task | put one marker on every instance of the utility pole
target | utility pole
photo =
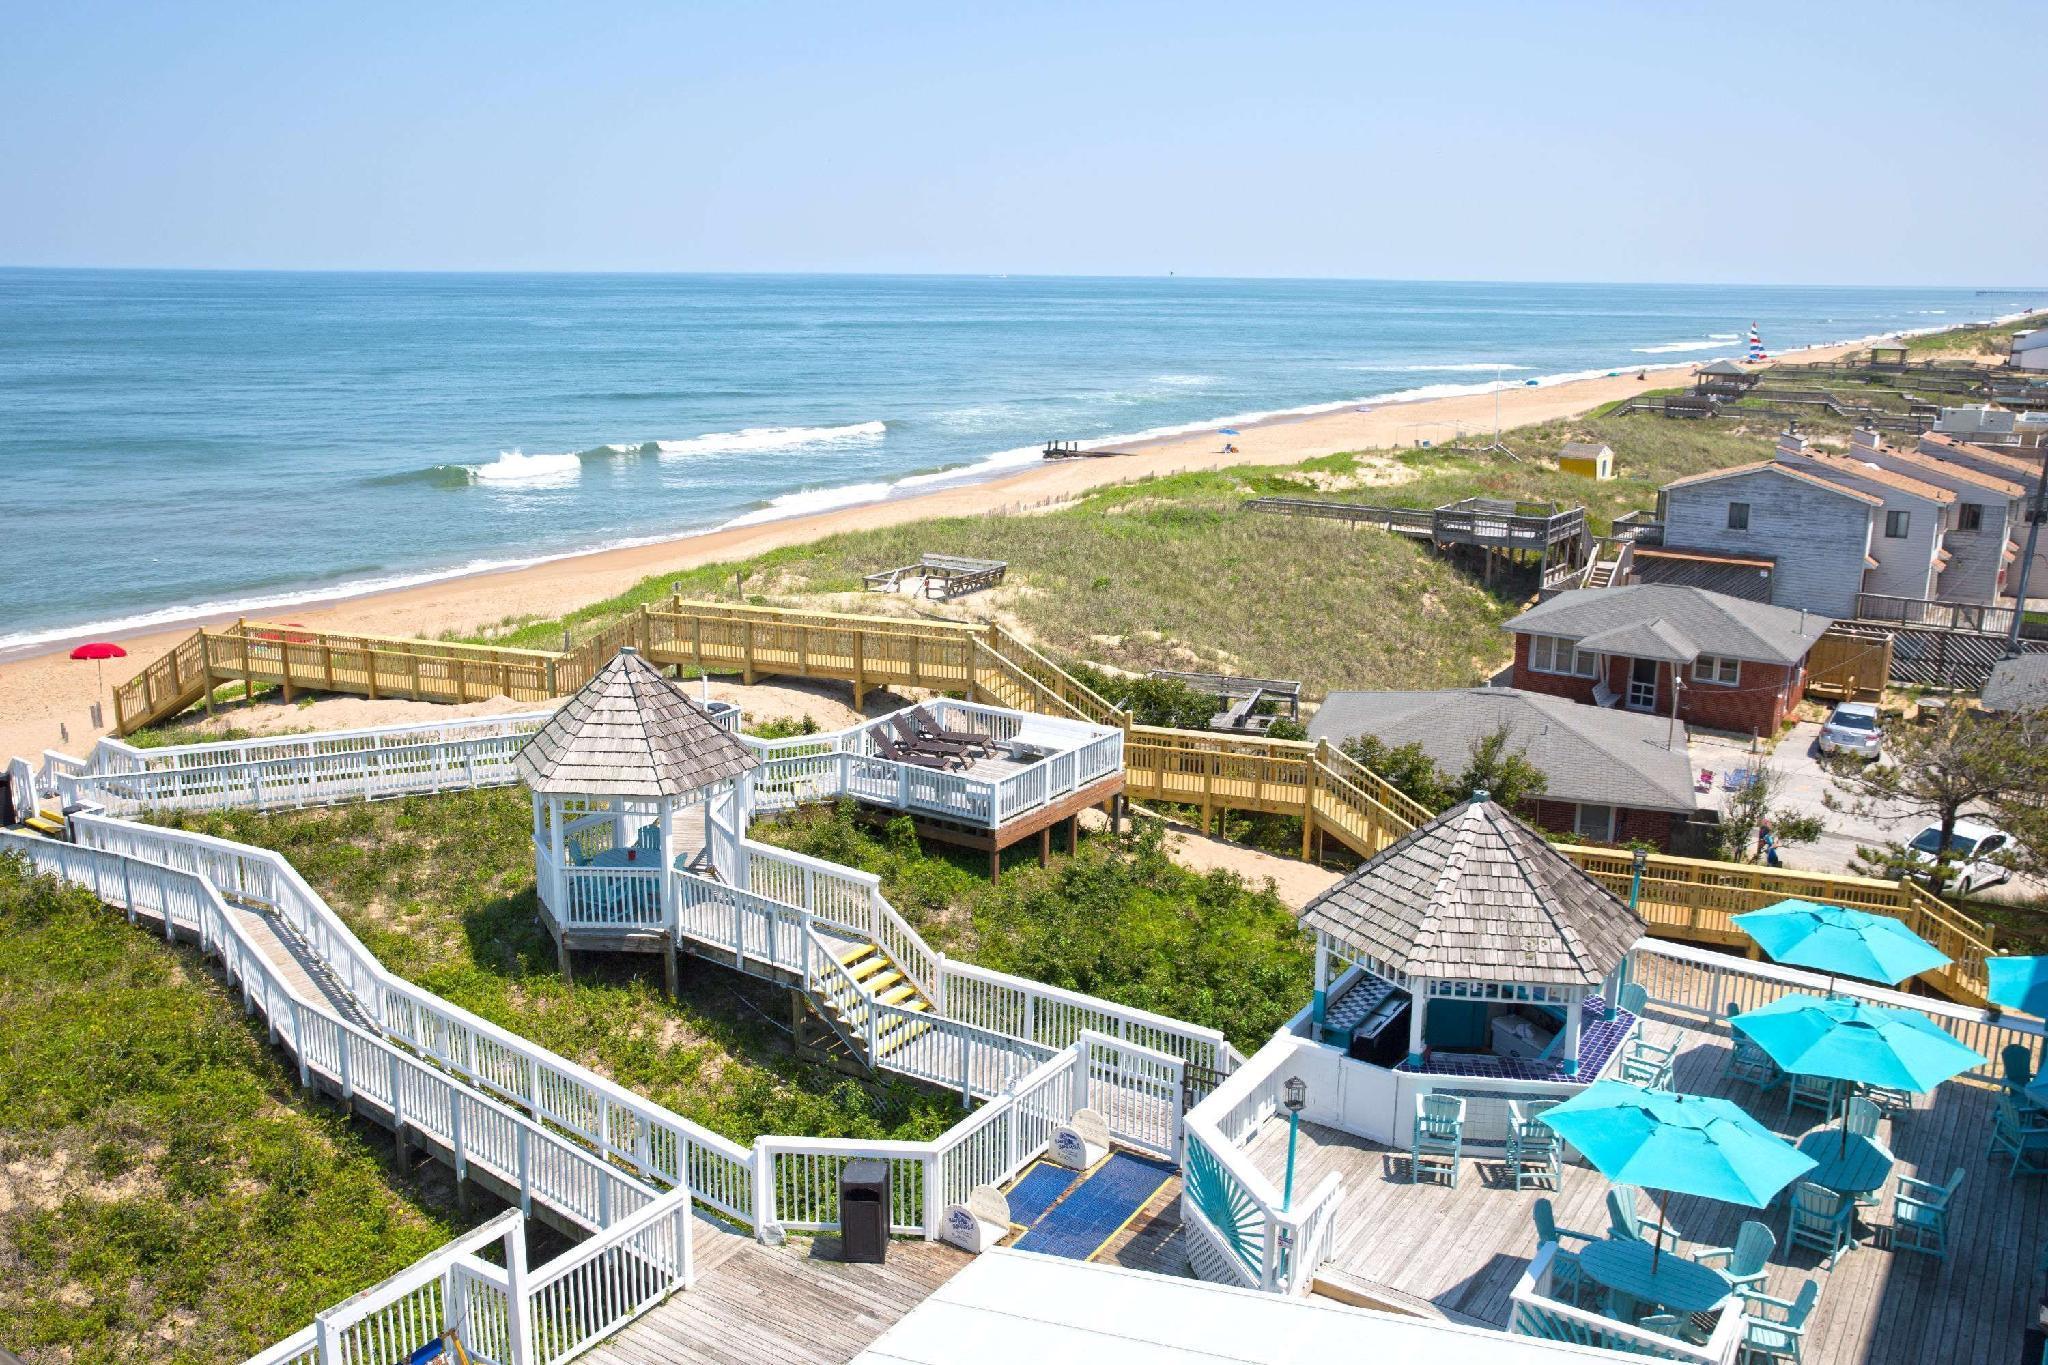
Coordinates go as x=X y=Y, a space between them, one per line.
x=2037 y=512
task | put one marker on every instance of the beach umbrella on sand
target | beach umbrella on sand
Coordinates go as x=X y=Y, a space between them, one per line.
x=99 y=651
x=1840 y=942
x=1677 y=1144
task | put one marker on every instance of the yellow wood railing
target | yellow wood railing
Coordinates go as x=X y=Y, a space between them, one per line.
x=1334 y=796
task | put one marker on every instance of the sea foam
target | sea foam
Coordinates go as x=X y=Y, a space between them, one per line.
x=749 y=439
x=513 y=469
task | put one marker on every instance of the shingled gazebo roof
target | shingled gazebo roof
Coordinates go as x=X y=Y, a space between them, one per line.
x=1476 y=895
x=630 y=732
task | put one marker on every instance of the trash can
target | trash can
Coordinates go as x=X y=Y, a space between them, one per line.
x=864 y=1212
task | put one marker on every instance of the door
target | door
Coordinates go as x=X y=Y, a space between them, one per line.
x=1642 y=685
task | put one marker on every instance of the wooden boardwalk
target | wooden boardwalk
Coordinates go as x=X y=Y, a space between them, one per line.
x=1463 y=1249
x=793 y=1304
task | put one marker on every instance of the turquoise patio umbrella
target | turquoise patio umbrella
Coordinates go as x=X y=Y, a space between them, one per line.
x=2019 y=983
x=1677 y=1144
x=1841 y=942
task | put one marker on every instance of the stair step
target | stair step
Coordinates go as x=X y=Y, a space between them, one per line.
x=44 y=822
x=898 y=994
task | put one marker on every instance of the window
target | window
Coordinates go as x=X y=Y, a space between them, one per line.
x=1970 y=516
x=1554 y=654
x=1895 y=524
x=1738 y=516
x=1594 y=822
x=1711 y=668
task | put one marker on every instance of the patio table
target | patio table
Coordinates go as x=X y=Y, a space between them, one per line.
x=1857 y=1167
x=1677 y=1284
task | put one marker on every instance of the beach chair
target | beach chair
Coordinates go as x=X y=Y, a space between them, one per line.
x=1920 y=1214
x=1648 y=1065
x=930 y=730
x=908 y=737
x=1813 y=1092
x=1775 y=1329
x=1567 y=1282
x=896 y=753
x=1821 y=1219
x=1535 y=1153
x=1439 y=1138
x=1635 y=999
x=2020 y=1131
x=1624 y=1224
x=1747 y=1263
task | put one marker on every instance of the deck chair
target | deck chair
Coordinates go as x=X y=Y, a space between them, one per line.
x=1822 y=1219
x=933 y=732
x=896 y=753
x=1747 y=1263
x=2018 y=1061
x=2020 y=1131
x=1920 y=1214
x=980 y=1222
x=1624 y=1224
x=1750 y=1064
x=1439 y=1138
x=908 y=737
x=1081 y=1141
x=1635 y=999
x=1775 y=1329
x=1535 y=1153
x=1814 y=1092
x=1568 y=1283
x=1648 y=1065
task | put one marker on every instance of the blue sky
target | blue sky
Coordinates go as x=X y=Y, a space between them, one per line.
x=1789 y=143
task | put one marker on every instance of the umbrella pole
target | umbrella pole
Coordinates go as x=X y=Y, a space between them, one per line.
x=1663 y=1222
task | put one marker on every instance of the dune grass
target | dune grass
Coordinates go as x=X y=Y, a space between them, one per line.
x=440 y=888
x=166 y=1191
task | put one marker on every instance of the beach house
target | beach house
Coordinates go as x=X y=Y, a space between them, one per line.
x=1907 y=558
x=1609 y=776
x=1700 y=657
x=2029 y=350
x=2000 y=467
x=1983 y=542
x=1814 y=533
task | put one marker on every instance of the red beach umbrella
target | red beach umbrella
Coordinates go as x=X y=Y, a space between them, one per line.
x=97 y=651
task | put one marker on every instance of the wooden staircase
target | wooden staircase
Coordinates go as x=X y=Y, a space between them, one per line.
x=850 y=999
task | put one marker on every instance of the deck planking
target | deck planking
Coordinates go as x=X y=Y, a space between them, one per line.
x=1463 y=1249
x=793 y=1303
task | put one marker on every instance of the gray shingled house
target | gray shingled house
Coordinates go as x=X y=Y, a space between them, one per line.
x=1610 y=776
x=1479 y=947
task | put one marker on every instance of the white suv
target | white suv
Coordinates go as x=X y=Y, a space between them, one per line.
x=1851 y=728
x=1972 y=849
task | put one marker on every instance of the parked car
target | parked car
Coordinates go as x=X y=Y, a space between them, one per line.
x=1973 y=849
x=1851 y=728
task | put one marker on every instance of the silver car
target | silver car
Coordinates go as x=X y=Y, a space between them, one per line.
x=1851 y=728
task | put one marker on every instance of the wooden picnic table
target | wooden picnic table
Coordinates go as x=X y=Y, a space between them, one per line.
x=1858 y=1166
x=1674 y=1283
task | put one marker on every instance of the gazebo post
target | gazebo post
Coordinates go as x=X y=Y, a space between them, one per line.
x=1418 y=1005
x=665 y=821
x=1322 y=996
x=558 y=838
x=1574 y=1012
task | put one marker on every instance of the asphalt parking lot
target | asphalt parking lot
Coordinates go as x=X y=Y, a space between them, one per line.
x=1802 y=782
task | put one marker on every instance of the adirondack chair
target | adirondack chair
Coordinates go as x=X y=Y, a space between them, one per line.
x=2021 y=1131
x=1920 y=1214
x=1862 y=1117
x=930 y=731
x=908 y=737
x=1750 y=1064
x=1821 y=1219
x=1439 y=1138
x=1648 y=1065
x=2018 y=1060
x=1813 y=1092
x=1625 y=1225
x=1535 y=1153
x=1747 y=1263
x=1775 y=1329
x=1635 y=999
x=1567 y=1282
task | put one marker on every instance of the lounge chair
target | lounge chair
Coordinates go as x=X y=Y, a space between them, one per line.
x=931 y=731
x=909 y=738
x=896 y=753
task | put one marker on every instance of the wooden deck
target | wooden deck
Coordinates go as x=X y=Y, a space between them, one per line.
x=793 y=1304
x=1463 y=1249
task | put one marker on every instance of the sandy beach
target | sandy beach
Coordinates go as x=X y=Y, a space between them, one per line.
x=43 y=695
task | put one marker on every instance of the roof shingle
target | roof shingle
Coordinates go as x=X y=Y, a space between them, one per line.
x=630 y=732
x=1714 y=622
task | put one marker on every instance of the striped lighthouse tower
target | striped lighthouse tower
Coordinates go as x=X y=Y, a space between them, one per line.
x=1757 y=354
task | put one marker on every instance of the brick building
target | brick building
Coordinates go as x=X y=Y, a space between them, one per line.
x=1704 y=658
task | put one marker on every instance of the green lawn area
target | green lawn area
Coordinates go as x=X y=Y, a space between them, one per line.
x=166 y=1192
x=440 y=888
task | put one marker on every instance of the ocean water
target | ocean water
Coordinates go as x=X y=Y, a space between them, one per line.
x=182 y=440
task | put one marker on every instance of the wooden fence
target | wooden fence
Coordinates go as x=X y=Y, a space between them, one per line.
x=1849 y=663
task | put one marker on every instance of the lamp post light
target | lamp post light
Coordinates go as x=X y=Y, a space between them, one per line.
x=1297 y=1099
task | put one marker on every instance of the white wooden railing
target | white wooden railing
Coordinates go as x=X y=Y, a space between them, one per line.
x=1533 y=1312
x=21 y=778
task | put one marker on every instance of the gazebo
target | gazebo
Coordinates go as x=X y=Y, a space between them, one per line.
x=1723 y=378
x=613 y=773
x=1486 y=933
